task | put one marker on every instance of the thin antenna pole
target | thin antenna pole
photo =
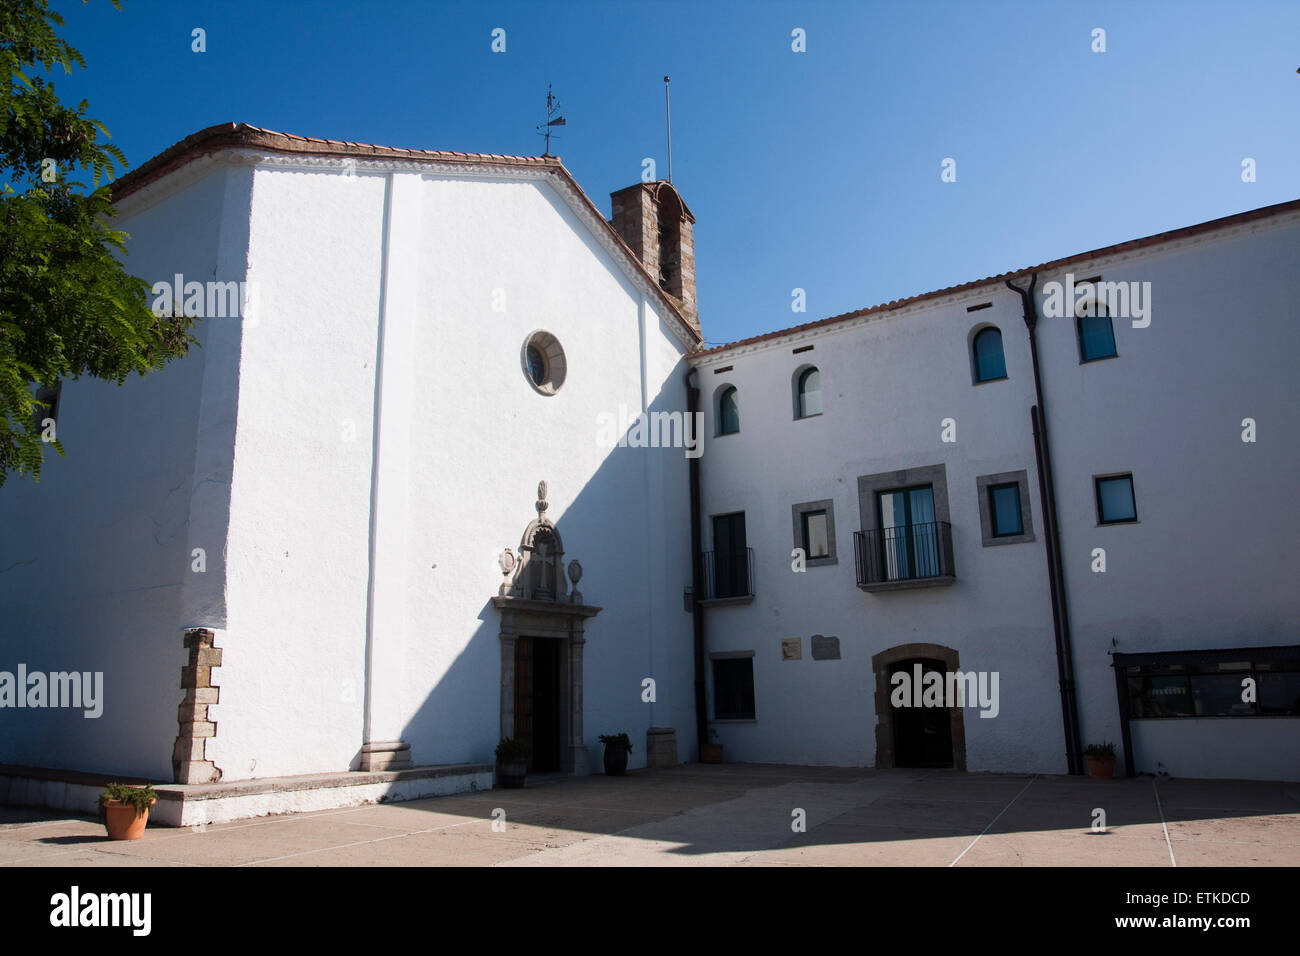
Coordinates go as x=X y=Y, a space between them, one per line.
x=548 y=120
x=668 y=117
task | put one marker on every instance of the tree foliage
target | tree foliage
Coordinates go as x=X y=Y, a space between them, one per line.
x=68 y=307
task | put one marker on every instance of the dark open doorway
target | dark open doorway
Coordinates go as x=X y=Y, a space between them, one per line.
x=922 y=735
x=537 y=701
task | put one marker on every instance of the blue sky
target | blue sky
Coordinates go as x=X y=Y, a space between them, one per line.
x=818 y=170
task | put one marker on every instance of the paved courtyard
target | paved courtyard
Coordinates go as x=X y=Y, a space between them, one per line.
x=731 y=815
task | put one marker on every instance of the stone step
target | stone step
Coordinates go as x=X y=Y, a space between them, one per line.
x=197 y=804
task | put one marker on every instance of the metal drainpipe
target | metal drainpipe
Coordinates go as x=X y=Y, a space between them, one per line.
x=697 y=574
x=1055 y=564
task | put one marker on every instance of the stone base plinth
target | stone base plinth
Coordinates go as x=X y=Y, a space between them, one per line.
x=386 y=755
x=661 y=747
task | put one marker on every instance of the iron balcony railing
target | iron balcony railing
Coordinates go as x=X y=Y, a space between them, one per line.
x=728 y=574
x=905 y=553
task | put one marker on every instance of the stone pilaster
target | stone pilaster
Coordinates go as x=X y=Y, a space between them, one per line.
x=578 y=747
x=189 y=761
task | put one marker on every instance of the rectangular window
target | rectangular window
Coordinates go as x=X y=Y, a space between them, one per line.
x=730 y=572
x=733 y=688
x=909 y=533
x=814 y=534
x=1245 y=687
x=1115 y=503
x=1004 y=508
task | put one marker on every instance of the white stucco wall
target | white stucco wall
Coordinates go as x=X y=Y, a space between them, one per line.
x=1210 y=562
x=1206 y=566
x=95 y=562
x=463 y=441
x=887 y=386
x=1223 y=748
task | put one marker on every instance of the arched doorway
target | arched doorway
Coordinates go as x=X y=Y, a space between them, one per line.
x=913 y=736
x=922 y=735
x=542 y=637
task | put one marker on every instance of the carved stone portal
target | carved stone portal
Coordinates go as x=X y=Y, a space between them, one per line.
x=536 y=603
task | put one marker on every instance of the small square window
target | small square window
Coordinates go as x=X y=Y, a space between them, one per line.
x=733 y=688
x=1004 y=508
x=1115 y=502
x=814 y=534
x=814 y=531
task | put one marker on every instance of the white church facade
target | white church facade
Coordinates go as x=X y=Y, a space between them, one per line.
x=376 y=522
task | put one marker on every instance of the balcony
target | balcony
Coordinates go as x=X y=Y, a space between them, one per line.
x=728 y=577
x=907 y=556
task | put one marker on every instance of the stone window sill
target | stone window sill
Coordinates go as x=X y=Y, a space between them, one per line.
x=942 y=581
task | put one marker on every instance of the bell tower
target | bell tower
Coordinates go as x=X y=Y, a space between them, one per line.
x=659 y=228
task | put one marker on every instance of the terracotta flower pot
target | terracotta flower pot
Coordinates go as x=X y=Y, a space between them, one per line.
x=123 y=822
x=711 y=753
x=1101 y=769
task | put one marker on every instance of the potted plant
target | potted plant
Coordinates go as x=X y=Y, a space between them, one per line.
x=711 y=753
x=1101 y=760
x=617 y=747
x=125 y=810
x=512 y=763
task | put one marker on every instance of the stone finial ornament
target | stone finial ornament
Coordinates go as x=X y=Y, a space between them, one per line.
x=542 y=503
x=507 y=562
x=575 y=575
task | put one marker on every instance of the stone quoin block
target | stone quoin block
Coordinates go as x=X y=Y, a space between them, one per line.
x=189 y=760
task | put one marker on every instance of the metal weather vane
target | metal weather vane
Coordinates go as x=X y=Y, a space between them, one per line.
x=552 y=120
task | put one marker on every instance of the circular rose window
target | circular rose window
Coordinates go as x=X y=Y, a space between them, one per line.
x=544 y=363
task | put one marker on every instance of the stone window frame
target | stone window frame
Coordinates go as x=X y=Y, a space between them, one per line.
x=869 y=486
x=982 y=485
x=557 y=365
x=713 y=702
x=797 y=512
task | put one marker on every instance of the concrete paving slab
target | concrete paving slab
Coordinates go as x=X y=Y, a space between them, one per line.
x=1229 y=795
x=1130 y=846
x=1075 y=815
x=1236 y=827
x=728 y=815
x=55 y=830
x=966 y=816
x=836 y=844
x=438 y=848
x=236 y=845
x=1192 y=853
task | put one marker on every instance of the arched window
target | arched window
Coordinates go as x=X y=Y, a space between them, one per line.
x=1096 y=335
x=728 y=412
x=990 y=363
x=808 y=393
